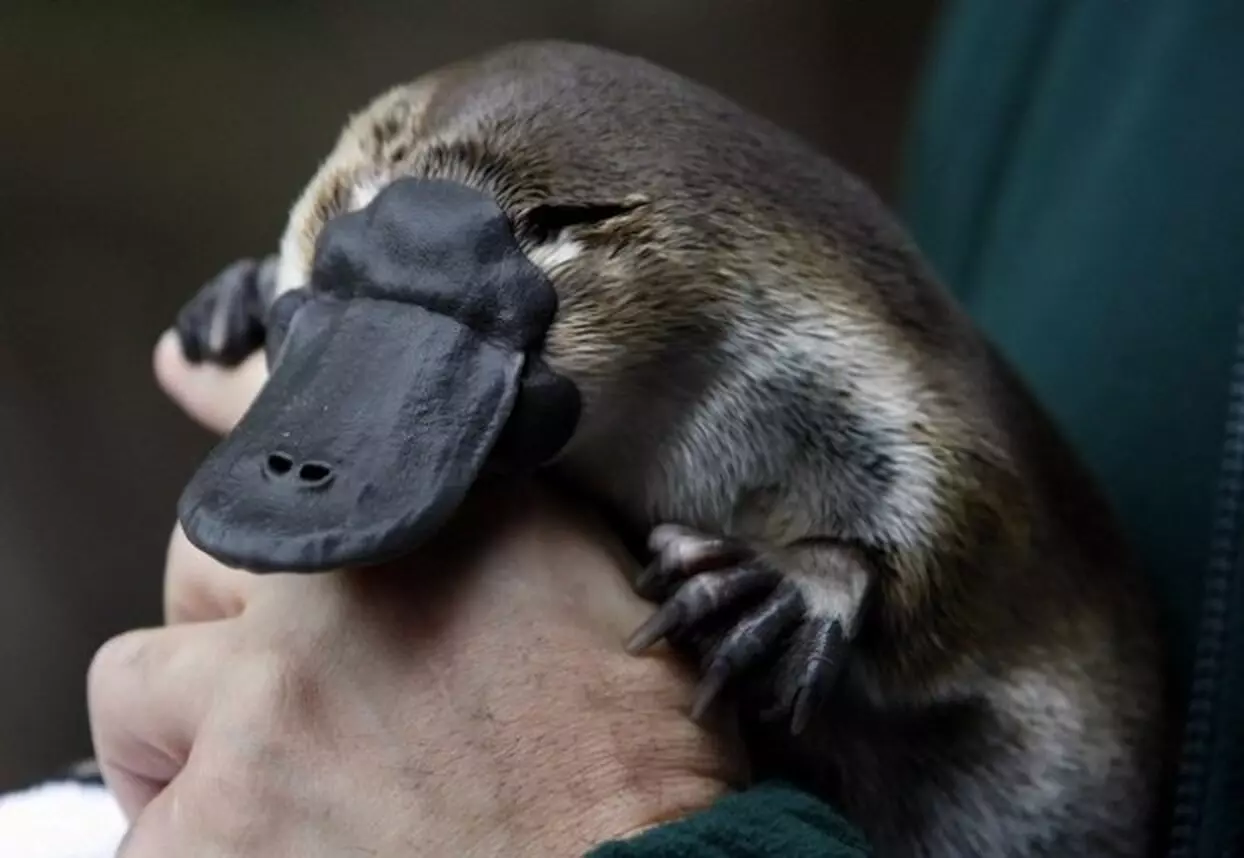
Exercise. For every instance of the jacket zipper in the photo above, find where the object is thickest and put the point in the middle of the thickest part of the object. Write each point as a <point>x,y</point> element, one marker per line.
<point>1208,777</point>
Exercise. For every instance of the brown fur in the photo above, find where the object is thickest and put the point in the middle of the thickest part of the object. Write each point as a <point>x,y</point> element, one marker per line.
<point>763,354</point>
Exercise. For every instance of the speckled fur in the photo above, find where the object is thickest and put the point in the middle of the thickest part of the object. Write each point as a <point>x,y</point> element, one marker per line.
<point>764,354</point>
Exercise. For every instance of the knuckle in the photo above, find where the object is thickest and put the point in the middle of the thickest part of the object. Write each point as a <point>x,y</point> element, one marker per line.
<point>121,651</point>
<point>256,683</point>
<point>121,656</point>
<point>276,691</point>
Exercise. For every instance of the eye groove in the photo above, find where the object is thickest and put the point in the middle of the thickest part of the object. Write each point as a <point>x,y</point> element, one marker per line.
<point>545,222</point>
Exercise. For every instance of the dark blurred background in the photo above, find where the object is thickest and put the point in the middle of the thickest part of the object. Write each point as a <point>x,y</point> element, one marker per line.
<point>142,150</point>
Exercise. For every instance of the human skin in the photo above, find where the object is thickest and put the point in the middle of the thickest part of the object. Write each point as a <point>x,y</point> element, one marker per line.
<point>472,700</point>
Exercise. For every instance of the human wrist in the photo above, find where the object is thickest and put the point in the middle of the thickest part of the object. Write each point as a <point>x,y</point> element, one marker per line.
<point>638,762</point>
<point>598,815</point>
<point>616,793</point>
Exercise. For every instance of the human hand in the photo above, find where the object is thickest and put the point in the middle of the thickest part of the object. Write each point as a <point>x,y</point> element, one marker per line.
<point>475,700</point>
<point>196,587</point>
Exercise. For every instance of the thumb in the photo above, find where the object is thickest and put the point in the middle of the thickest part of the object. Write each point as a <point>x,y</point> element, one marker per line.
<point>198,587</point>
<point>148,692</point>
<point>214,396</point>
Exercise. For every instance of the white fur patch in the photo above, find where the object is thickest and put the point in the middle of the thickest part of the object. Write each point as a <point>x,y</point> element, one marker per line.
<point>836,594</point>
<point>291,269</point>
<point>295,266</point>
<point>363,193</point>
<point>61,819</point>
<point>550,256</point>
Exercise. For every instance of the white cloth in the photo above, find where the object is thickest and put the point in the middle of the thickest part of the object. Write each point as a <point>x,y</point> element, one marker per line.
<point>65,818</point>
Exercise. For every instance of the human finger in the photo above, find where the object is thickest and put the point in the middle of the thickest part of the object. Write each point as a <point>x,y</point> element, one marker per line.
<point>148,690</point>
<point>214,396</point>
<point>198,588</point>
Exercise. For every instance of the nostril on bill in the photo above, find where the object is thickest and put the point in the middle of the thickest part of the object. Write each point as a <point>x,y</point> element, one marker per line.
<point>314,474</point>
<point>279,464</point>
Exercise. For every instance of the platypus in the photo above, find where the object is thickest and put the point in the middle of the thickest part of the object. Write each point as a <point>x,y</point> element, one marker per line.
<point>553,258</point>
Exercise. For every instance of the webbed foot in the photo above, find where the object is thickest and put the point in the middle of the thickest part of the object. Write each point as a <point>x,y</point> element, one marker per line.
<point>224,322</point>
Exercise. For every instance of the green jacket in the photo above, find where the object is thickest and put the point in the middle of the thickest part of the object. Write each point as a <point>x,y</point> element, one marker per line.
<point>1076,174</point>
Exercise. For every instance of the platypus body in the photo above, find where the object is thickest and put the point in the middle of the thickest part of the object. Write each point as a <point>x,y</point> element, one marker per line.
<point>885,558</point>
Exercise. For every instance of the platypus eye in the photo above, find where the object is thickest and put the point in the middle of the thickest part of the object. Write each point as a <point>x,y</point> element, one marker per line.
<point>545,222</point>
